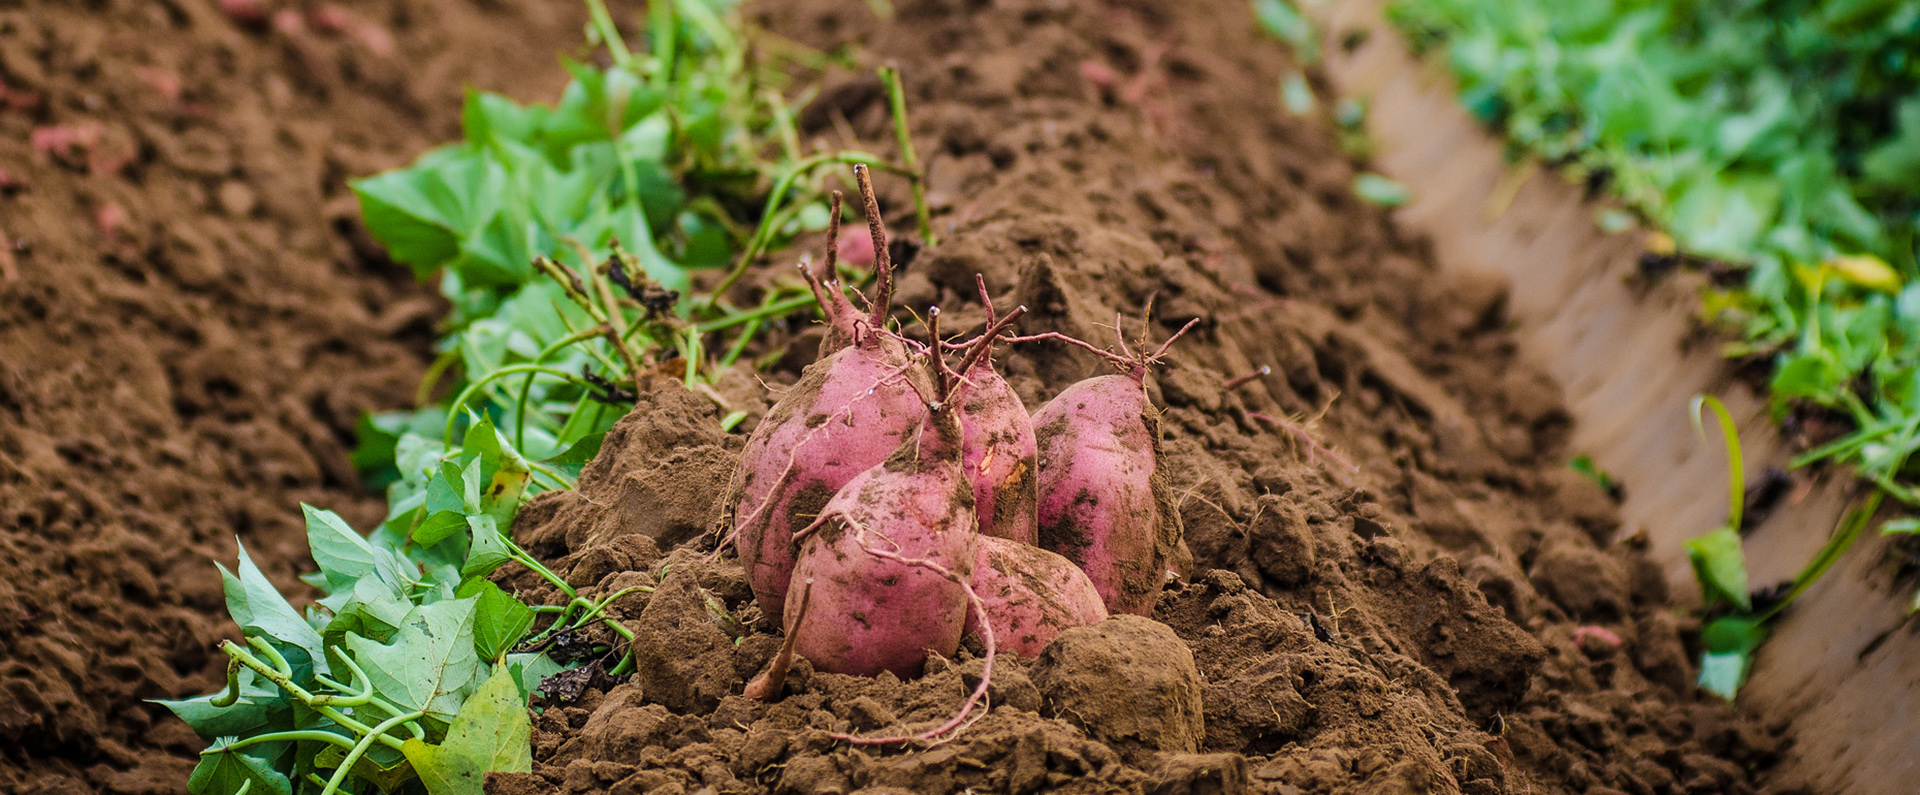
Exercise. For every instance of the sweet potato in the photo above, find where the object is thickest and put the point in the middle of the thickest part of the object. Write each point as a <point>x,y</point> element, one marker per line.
<point>998,452</point>
<point>888,560</point>
<point>1104,504</point>
<point>1031,595</point>
<point>849,412</point>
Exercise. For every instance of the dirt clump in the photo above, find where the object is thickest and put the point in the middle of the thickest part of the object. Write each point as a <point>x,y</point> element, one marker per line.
<point>1394,587</point>
<point>1127,681</point>
<point>192,322</point>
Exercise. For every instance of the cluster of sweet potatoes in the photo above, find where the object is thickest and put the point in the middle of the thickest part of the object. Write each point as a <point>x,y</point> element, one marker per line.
<point>893,501</point>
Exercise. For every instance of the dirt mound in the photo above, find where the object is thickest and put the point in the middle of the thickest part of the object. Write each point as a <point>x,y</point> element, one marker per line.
<point>190,325</point>
<point>1405,595</point>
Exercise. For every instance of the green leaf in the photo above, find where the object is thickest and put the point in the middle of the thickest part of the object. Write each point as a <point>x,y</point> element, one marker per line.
<point>384,767</point>
<point>375,610</point>
<point>448,489</point>
<point>1728,645</point>
<point>1723,673</point>
<point>493,119</point>
<point>344,556</point>
<point>531,669</point>
<point>224,771</point>
<point>260,610</point>
<point>489,549</point>
<point>1893,164</point>
<point>1378,190</point>
<point>505,472</point>
<point>439,526</point>
<point>499,620</point>
<point>492,733</point>
<point>422,213</point>
<point>430,665</point>
<point>1721,567</point>
<point>580,452</point>
<point>260,708</point>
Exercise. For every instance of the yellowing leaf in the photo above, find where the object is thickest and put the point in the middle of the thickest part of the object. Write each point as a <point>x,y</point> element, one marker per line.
<point>1661,244</point>
<point>491,734</point>
<point>1866,270</point>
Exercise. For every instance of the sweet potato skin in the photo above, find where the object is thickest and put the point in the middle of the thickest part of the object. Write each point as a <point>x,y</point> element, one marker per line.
<point>873,612</point>
<point>999,456</point>
<point>848,413</point>
<point>1103,501</point>
<point>1031,595</point>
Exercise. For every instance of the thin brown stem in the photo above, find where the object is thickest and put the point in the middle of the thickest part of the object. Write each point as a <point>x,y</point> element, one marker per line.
<point>1122,337</point>
<point>1054,336</point>
<point>1162,351</point>
<point>833,236</point>
<point>986,299</point>
<point>943,378</point>
<point>615,319</point>
<point>882,259</point>
<point>1242,380</point>
<point>569,282</point>
<point>982,346</point>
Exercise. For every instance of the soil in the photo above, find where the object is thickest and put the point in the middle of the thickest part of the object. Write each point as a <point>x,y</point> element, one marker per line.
<point>1397,585</point>
<point>192,322</point>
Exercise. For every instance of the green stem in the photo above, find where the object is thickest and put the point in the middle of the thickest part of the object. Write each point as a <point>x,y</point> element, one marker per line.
<point>764,232</point>
<point>288,736</point>
<point>424,395</point>
<point>286,683</point>
<point>603,22</point>
<point>693,350</point>
<point>739,345</point>
<point>233,687</point>
<point>526,386</point>
<point>595,609</point>
<point>365,691</point>
<point>542,469</point>
<point>1736,467</point>
<point>459,403</point>
<point>666,30</point>
<point>360,749</point>
<point>522,557</point>
<point>762,313</point>
<point>897,98</point>
<point>626,660</point>
<point>596,354</point>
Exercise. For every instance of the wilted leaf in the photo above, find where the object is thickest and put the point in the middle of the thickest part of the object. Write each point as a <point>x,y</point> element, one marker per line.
<point>491,733</point>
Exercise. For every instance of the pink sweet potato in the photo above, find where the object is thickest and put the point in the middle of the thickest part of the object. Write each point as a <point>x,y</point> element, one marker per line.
<point>849,412</point>
<point>1104,503</point>
<point>998,452</point>
<point>888,561</point>
<point>1031,595</point>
